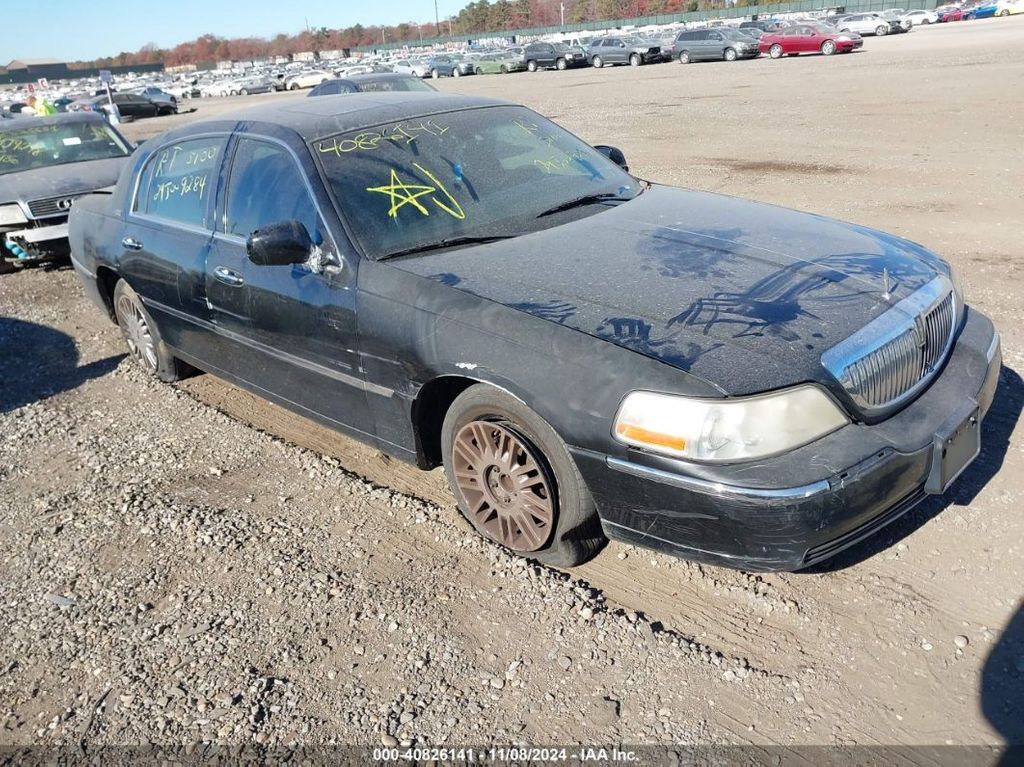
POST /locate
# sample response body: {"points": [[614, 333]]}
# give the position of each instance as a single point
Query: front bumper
{"points": [[791, 511], [35, 242]]}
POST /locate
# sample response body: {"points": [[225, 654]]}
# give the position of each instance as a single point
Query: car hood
{"points": [[745, 295], [58, 180]]}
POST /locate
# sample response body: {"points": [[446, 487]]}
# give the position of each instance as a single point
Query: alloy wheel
{"points": [[507, 493], [136, 333]]}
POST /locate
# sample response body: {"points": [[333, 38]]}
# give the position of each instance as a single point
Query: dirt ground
{"points": [[161, 561]]}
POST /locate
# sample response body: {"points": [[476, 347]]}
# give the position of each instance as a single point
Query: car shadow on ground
{"points": [[995, 441], [38, 362], [1002, 688]]}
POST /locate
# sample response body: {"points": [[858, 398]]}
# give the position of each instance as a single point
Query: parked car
{"points": [[424, 294], [809, 38], [442, 65], [159, 96], [623, 50], [245, 86], [922, 17], [949, 13], [553, 55], [714, 45], [415, 67], [46, 163], [764, 26], [307, 79], [867, 24], [499, 63], [128, 105], [383, 81], [1009, 7]]}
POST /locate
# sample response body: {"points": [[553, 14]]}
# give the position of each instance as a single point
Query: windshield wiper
{"points": [[450, 243], [588, 199]]}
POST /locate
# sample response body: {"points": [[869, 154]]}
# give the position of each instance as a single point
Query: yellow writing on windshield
{"points": [[12, 144], [367, 140], [401, 193]]}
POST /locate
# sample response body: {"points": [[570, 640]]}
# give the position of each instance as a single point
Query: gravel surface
{"points": [[169, 574]]}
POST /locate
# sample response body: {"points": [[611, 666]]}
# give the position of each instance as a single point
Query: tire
{"points": [[434, 73], [730, 54], [569, 533], [503, 69], [1004, 12], [531, 66], [143, 339], [926, 22], [478, 71], [845, 29], [456, 72], [293, 87], [684, 57], [597, 62], [775, 51], [828, 48], [881, 31], [561, 65], [243, 92], [635, 60]]}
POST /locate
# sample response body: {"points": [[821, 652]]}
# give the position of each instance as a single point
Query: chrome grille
{"points": [[894, 356], [51, 206]]}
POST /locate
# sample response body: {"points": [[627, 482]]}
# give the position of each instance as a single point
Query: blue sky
{"points": [[85, 29]]}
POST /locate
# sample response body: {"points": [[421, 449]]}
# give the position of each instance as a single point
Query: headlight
{"points": [[719, 430], [11, 214]]}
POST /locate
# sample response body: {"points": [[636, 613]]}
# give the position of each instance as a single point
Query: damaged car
{"points": [[460, 282], [46, 163]]}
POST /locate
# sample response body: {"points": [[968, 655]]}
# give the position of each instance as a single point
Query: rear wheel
{"points": [[730, 54], [456, 72], [479, 71], [635, 60], [434, 73], [531, 66], [142, 337], [597, 63], [561, 64], [684, 57], [775, 51], [881, 30], [504, 69], [515, 481], [828, 48], [244, 92]]}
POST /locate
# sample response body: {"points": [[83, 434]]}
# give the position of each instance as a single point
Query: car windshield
{"points": [[477, 173], [393, 84], [38, 146]]}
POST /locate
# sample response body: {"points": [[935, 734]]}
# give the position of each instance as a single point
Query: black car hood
{"points": [[745, 295], [58, 180]]}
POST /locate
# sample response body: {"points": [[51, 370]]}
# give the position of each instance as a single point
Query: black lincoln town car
{"points": [[459, 281]]}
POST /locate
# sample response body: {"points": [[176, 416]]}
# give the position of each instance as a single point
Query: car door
{"points": [[167, 233], [712, 45], [287, 331]]}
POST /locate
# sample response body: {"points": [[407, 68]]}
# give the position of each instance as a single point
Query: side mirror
{"points": [[614, 154], [286, 242]]}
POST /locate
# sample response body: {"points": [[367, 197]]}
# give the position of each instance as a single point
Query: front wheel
{"points": [[730, 54], [634, 60], [515, 481], [1004, 12], [456, 72], [775, 51], [881, 31], [479, 71], [244, 92], [531, 66], [560, 64], [597, 62], [142, 337], [293, 87], [503, 69], [684, 57], [828, 48], [435, 74]]}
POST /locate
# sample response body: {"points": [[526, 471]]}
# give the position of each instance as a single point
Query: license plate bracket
{"points": [[955, 445]]}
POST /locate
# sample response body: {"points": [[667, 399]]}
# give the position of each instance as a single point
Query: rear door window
{"points": [[179, 179]]}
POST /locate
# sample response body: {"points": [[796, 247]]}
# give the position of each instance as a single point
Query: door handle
{"points": [[228, 277], [131, 243]]}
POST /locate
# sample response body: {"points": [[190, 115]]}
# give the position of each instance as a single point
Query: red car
{"points": [[809, 38], [950, 13]]}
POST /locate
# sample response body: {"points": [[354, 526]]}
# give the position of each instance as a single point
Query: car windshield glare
{"points": [[38, 146], [474, 173]]}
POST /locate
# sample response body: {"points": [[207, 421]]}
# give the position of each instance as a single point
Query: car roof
{"points": [[328, 115], [63, 118]]}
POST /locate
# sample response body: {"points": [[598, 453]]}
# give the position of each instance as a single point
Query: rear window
{"points": [[39, 146]]}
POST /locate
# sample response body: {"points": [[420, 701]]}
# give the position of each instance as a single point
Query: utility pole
{"points": [[437, 20], [561, 7], [449, 26], [382, 40]]}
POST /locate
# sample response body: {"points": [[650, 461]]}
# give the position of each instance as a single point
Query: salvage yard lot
{"points": [[210, 581]]}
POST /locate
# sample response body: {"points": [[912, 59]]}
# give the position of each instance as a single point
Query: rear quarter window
{"points": [[178, 180]]}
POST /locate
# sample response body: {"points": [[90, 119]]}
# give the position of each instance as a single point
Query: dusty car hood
{"points": [[57, 180], [743, 294]]}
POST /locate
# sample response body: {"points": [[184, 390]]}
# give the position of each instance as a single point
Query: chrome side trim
{"points": [[716, 488], [291, 359]]}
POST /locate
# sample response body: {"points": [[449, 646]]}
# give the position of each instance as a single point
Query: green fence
{"points": [[734, 12]]}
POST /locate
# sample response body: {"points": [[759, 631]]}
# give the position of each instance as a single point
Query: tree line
{"points": [[478, 17]]}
